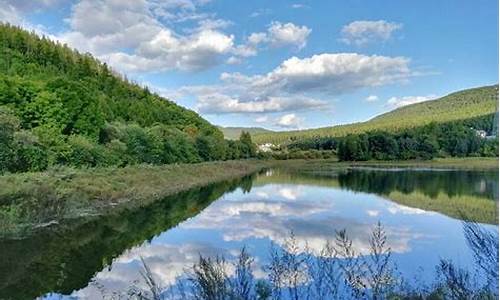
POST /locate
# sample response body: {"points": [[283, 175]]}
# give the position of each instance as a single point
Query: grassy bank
{"points": [[31, 200], [465, 163]]}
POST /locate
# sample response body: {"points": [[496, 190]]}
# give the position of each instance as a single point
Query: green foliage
{"points": [[248, 148], [64, 107], [457, 139], [8, 125], [30, 154], [449, 139], [461, 105]]}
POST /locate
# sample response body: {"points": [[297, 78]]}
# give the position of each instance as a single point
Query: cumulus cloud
{"points": [[371, 98], [289, 121], [106, 28], [277, 35], [334, 73], [136, 36], [221, 103], [298, 84], [360, 33], [396, 102], [287, 34]]}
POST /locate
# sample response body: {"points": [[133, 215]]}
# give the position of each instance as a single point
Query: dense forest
{"points": [[457, 138], [61, 107], [457, 106]]}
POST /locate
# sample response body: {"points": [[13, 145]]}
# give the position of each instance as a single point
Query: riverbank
{"points": [[32, 200]]}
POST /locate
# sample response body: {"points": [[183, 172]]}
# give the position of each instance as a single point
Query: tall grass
{"points": [[337, 272]]}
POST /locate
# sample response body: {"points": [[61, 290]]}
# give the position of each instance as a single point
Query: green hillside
{"points": [[233, 133], [456, 106], [61, 107]]}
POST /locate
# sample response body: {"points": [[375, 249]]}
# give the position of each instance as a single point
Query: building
{"points": [[481, 133]]}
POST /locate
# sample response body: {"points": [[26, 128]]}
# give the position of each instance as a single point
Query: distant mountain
{"points": [[456, 106], [233, 133]]}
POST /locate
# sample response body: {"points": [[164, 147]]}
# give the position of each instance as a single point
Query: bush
{"points": [[8, 125], [84, 153], [30, 154]]}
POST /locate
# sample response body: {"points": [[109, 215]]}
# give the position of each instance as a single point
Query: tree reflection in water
{"points": [[337, 272]]}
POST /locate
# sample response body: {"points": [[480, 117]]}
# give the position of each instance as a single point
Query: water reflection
{"points": [[66, 259], [103, 256]]}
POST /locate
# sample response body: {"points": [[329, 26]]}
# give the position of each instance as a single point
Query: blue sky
{"points": [[281, 64]]}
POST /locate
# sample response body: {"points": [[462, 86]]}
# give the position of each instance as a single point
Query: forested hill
{"points": [[34, 67], [58, 106], [234, 133], [461, 105]]}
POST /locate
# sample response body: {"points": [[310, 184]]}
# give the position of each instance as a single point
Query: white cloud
{"points": [[217, 103], [396, 102], [298, 5], [177, 11], [277, 35], [289, 121], [289, 193], [233, 60], [406, 210], [29, 6], [371, 98], [135, 36], [335, 73], [262, 119], [373, 213], [298, 84], [287, 34], [360, 33], [129, 36], [10, 14]]}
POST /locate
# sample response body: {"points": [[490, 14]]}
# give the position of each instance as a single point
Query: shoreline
{"points": [[33, 200], [29, 201], [465, 163]]}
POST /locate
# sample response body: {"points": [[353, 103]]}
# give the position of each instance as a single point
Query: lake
{"points": [[421, 212]]}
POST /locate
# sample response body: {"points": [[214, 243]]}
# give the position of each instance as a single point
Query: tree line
{"points": [[457, 139], [118, 144], [62, 107]]}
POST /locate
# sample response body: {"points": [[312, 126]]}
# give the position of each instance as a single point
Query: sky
{"points": [[281, 65]]}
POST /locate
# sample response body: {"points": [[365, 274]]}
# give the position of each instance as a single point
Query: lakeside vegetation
{"points": [[456, 106], [337, 271], [31, 200], [61, 107]]}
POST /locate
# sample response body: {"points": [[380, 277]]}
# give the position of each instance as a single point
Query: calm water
{"points": [[419, 209]]}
